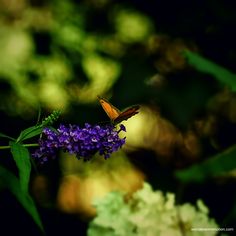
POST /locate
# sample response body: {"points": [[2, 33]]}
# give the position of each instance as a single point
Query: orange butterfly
{"points": [[115, 114]]}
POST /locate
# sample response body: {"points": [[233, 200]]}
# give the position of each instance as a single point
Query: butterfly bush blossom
{"points": [[83, 142]]}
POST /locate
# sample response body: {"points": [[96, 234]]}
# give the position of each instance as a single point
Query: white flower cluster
{"points": [[149, 213]]}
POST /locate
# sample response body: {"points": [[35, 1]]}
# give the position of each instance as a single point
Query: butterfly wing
{"points": [[111, 111], [126, 114], [115, 114]]}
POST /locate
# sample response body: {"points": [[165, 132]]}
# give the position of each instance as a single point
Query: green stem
{"points": [[25, 145]]}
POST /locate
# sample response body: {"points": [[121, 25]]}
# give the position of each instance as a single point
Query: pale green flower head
{"points": [[149, 213]]}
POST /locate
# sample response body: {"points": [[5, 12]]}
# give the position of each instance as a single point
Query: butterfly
{"points": [[115, 114]]}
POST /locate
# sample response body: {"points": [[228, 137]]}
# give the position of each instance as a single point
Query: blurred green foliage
{"points": [[51, 58], [206, 66], [217, 166]]}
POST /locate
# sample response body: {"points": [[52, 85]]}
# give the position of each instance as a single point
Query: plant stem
{"points": [[25, 145]]}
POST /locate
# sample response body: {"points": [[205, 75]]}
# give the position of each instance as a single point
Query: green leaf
{"points": [[6, 136], [13, 184], [29, 133], [204, 65], [212, 167], [22, 158], [37, 129]]}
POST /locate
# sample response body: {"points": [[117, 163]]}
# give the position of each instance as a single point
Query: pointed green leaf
{"points": [[29, 133], [6, 136], [212, 167], [204, 65], [22, 158], [13, 184]]}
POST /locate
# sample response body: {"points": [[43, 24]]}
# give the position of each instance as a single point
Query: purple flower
{"points": [[83, 142]]}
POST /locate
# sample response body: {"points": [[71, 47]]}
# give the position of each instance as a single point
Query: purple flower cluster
{"points": [[83, 142]]}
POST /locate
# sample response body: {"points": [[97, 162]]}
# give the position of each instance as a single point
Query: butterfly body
{"points": [[115, 114]]}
